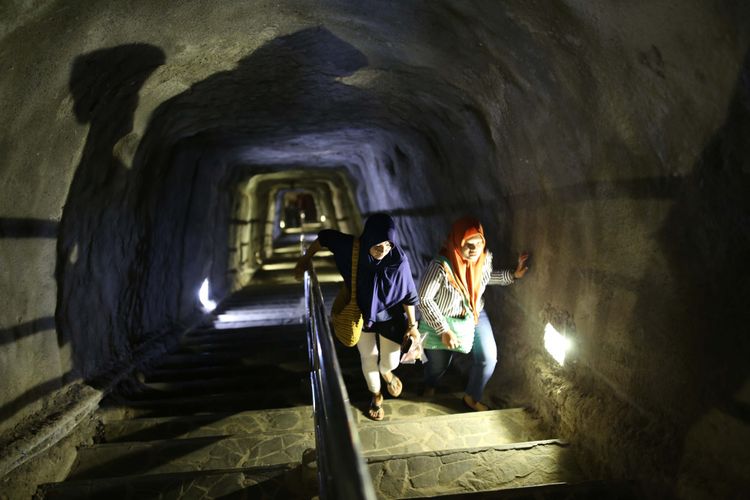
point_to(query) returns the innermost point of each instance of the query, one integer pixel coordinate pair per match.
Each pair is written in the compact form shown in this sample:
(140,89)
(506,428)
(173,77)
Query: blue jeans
(484,359)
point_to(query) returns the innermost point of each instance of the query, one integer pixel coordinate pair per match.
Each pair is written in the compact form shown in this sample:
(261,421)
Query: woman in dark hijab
(386,294)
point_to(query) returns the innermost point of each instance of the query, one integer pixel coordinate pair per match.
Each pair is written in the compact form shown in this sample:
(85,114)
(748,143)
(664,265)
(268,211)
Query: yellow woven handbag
(345,313)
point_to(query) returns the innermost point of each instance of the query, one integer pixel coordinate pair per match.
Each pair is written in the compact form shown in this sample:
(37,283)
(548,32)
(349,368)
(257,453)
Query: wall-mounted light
(208,304)
(322,218)
(557,344)
(282,224)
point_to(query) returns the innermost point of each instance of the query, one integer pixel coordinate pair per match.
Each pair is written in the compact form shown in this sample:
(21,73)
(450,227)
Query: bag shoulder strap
(443,260)
(355,262)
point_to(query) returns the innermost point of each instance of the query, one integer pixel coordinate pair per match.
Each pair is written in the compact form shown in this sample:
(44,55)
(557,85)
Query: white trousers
(390,355)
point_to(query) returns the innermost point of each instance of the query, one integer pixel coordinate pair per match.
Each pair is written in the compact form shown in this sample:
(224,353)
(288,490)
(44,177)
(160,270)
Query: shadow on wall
(97,233)
(16,227)
(105,86)
(135,244)
(23,228)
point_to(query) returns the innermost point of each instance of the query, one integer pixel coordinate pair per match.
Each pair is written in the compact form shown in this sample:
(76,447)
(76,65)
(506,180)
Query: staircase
(435,447)
(229,415)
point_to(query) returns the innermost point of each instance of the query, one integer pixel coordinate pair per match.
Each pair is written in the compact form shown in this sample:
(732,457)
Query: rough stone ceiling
(609,138)
(433,67)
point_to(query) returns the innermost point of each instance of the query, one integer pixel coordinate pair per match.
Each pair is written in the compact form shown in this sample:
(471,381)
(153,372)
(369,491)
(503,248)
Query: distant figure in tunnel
(306,206)
(291,214)
(386,294)
(452,307)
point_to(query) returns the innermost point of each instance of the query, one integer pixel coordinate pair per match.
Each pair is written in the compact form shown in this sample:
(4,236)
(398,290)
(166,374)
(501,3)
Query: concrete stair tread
(586,490)
(409,406)
(261,321)
(263,293)
(216,343)
(229,371)
(212,403)
(461,471)
(518,445)
(245,349)
(284,314)
(261,334)
(289,301)
(273,332)
(189,360)
(298,419)
(267,377)
(281,481)
(450,432)
(191,454)
(207,400)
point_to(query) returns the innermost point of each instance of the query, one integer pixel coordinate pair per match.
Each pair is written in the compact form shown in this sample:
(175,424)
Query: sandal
(375,412)
(474,405)
(394,387)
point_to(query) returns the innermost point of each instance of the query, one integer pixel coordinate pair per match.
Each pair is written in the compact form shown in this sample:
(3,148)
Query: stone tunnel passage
(144,146)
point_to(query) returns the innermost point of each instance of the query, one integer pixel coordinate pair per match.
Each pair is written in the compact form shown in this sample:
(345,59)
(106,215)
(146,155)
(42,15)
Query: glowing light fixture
(282,224)
(557,344)
(322,218)
(208,304)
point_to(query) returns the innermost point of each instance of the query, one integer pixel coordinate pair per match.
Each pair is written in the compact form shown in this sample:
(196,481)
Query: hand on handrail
(303,264)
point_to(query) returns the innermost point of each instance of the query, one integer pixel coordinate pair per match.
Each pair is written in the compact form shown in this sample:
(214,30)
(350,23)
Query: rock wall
(606,139)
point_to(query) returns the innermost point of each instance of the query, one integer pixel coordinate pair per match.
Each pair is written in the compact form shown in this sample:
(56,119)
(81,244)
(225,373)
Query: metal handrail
(342,471)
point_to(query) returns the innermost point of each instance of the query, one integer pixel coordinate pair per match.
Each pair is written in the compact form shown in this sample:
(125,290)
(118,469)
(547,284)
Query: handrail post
(337,441)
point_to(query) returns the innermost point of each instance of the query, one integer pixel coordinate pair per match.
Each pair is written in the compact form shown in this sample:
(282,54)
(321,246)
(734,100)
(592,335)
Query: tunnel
(151,147)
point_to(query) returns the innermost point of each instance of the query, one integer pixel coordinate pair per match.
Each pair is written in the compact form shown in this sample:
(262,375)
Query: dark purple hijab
(385,283)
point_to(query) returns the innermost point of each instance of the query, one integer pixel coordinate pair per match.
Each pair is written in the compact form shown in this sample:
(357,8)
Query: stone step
(284,481)
(190,454)
(277,305)
(452,385)
(245,335)
(587,490)
(231,323)
(473,469)
(408,408)
(284,267)
(258,379)
(265,293)
(263,398)
(217,370)
(250,333)
(283,329)
(192,360)
(298,419)
(449,432)
(295,296)
(245,349)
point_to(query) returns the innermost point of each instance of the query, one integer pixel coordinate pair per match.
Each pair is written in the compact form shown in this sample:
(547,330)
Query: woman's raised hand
(521,268)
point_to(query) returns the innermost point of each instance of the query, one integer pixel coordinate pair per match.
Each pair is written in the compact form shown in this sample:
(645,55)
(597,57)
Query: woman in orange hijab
(452,289)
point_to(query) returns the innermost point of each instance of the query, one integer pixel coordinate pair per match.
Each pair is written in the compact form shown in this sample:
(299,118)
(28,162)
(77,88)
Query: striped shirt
(438,298)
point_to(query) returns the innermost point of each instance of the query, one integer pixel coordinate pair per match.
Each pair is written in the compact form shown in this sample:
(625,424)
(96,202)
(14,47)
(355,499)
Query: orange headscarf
(468,274)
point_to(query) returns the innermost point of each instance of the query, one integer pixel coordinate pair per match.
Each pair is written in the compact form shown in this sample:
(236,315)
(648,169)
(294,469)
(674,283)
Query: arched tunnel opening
(150,148)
